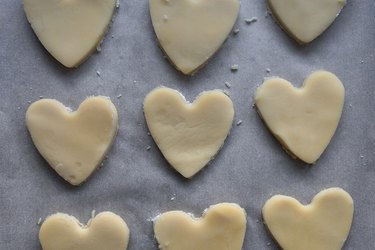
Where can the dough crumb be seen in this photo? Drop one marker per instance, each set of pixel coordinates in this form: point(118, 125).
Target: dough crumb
point(234, 67)
point(251, 20)
point(134, 82)
point(268, 70)
point(98, 72)
point(119, 96)
point(236, 31)
point(93, 212)
point(148, 148)
point(227, 84)
point(39, 221)
point(118, 4)
point(165, 18)
point(269, 244)
point(41, 97)
point(239, 122)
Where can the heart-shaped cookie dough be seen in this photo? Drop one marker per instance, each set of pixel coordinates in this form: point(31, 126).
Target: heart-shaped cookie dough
point(322, 225)
point(305, 119)
point(64, 232)
point(73, 143)
point(69, 29)
point(188, 135)
point(222, 227)
point(191, 31)
point(304, 20)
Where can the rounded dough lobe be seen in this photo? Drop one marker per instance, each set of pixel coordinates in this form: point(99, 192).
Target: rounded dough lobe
point(63, 232)
point(324, 224)
point(188, 135)
point(222, 227)
point(302, 119)
point(191, 31)
point(73, 143)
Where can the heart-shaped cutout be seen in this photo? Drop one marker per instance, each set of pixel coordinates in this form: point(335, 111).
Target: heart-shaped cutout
point(191, 31)
point(188, 135)
point(302, 119)
point(70, 29)
point(222, 227)
point(304, 20)
point(73, 143)
point(324, 224)
point(64, 232)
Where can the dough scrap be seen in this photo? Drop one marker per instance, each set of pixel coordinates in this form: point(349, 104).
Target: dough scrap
point(222, 227)
point(324, 224)
point(73, 143)
point(70, 29)
point(305, 20)
point(64, 232)
point(302, 119)
point(188, 135)
point(191, 31)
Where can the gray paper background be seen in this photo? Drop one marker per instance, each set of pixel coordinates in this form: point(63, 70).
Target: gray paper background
point(138, 184)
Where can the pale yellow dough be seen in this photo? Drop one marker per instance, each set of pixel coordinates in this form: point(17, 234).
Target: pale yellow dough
point(302, 119)
point(222, 227)
point(191, 31)
point(73, 143)
point(106, 231)
point(305, 20)
point(69, 29)
point(188, 135)
point(324, 224)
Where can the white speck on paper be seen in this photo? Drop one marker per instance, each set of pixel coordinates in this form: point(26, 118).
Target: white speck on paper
point(93, 212)
point(234, 67)
point(117, 3)
point(134, 82)
point(41, 97)
point(239, 122)
point(236, 31)
point(268, 70)
point(227, 84)
point(251, 20)
point(119, 96)
point(148, 148)
point(98, 72)
point(39, 221)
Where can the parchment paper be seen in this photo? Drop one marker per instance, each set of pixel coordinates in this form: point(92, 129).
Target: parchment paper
point(138, 184)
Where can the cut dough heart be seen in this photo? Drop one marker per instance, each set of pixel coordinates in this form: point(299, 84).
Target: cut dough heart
point(69, 29)
point(305, 20)
point(73, 143)
point(188, 135)
point(191, 31)
point(222, 227)
point(64, 232)
point(305, 119)
point(322, 225)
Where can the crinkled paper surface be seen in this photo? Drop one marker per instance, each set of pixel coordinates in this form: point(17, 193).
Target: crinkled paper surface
point(137, 183)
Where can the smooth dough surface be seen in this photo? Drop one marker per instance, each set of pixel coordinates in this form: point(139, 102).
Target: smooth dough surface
point(305, 20)
point(324, 224)
point(106, 231)
point(73, 143)
point(191, 31)
point(188, 135)
point(302, 119)
point(222, 227)
point(69, 29)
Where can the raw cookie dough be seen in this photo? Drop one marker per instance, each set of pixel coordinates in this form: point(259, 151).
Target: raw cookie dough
point(106, 231)
point(188, 135)
point(73, 143)
point(324, 224)
point(69, 29)
point(191, 31)
point(222, 227)
point(304, 20)
point(302, 119)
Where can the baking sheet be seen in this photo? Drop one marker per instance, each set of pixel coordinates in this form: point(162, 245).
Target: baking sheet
point(138, 184)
